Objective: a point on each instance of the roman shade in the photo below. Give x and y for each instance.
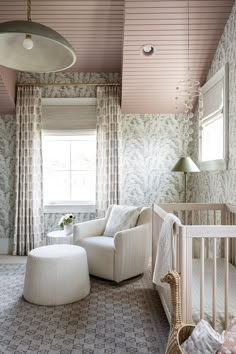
(213, 99)
(68, 117)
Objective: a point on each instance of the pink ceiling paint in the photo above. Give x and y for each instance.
(148, 83)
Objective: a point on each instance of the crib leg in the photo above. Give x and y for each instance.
(185, 258)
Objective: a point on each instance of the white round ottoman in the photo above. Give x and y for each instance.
(56, 275)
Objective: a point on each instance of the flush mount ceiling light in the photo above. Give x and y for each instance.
(147, 50)
(33, 47)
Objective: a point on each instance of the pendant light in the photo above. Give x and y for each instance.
(32, 47)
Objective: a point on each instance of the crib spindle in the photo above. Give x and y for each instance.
(178, 253)
(193, 217)
(226, 246)
(233, 247)
(208, 217)
(202, 257)
(186, 217)
(214, 285)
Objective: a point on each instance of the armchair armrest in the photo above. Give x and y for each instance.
(88, 229)
(132, 251)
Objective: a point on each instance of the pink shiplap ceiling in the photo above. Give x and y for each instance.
(148, 83)
(108, 36)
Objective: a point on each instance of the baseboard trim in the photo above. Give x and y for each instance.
(6, 246)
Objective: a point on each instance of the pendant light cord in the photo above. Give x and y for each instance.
(188, 38)
(28, 10)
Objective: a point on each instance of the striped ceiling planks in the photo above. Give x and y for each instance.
(180, 37)
(108, 36)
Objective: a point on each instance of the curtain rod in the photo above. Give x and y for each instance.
(68, 84)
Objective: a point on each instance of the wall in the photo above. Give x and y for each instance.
(220, 186)
(151, 146)
(7, 179)
(69, 91)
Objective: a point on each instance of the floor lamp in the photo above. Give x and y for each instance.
(185, 165)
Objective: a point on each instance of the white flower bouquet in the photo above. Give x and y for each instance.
(66, 220)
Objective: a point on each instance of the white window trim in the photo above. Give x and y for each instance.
(71, 206)
(220, 164)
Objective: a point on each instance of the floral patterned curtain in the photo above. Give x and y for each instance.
(108, 148)
(29, 228)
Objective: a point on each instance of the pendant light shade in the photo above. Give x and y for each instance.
(33, 47)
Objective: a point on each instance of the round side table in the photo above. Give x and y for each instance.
(59, 237)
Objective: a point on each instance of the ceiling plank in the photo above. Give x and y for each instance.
(181, 38)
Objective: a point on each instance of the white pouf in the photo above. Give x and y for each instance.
(56, 275)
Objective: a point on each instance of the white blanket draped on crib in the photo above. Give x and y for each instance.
(165, 259)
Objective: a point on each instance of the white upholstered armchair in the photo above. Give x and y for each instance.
(120, 257)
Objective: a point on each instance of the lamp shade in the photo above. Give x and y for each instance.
(185, 164)
(50, 51)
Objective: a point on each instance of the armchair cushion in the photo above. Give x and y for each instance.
(121, 218)
(100, 252)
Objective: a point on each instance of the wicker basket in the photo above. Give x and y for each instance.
(179, 332)
(183, 333)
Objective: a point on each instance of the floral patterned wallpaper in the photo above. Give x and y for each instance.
(151, 146)
(220, 186)
(69, 91)
(7, 175)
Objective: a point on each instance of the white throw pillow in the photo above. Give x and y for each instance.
(204, 339)
(122, 217)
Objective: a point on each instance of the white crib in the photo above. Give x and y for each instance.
(206, 258)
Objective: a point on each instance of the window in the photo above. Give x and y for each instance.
(69, 163)
(213, 124)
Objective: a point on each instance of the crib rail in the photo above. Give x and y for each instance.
(210, 227)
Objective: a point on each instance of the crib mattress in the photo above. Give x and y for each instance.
(165, 294)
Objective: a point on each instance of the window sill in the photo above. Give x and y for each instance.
(69, 208)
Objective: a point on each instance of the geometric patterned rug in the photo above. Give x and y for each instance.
(126, 318)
